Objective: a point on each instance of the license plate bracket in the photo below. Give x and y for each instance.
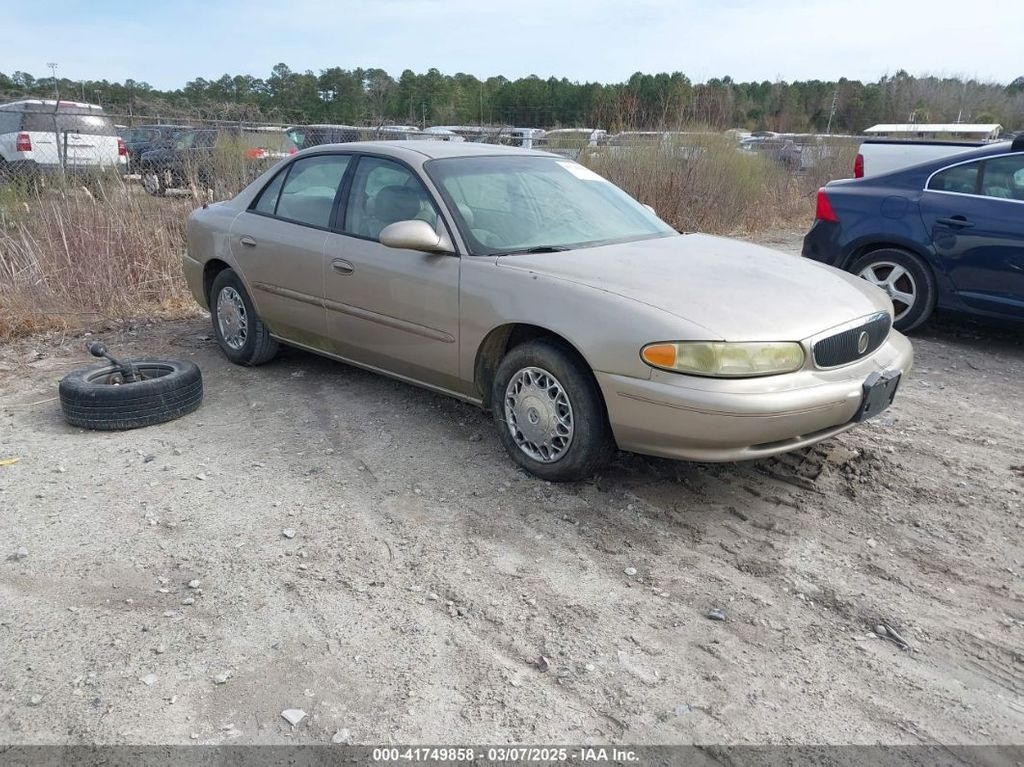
(879, 392)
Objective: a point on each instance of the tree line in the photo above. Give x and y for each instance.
(644, 101)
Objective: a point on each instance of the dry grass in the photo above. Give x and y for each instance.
(707, 185)
(72, 255)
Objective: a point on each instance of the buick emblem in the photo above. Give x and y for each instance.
(862, 342)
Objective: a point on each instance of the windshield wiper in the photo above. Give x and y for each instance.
(537, 249)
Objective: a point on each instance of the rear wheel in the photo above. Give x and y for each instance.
(242, 336)
(905, 278)
(549, 412)
(154, 182)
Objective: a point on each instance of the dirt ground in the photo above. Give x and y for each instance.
(433, 592)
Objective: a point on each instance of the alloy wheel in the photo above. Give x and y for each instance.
(895, 280)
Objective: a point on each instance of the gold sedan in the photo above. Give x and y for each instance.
(527, 284)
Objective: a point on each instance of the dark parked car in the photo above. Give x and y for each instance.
(143, 138)
(946, 234)
(204, 155)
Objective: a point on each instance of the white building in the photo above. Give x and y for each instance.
(968, 131)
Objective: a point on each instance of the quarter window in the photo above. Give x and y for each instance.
(307, 195)
(267, 201)
(959, 178)
(384, 192)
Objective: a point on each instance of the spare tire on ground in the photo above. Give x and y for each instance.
(100, 398)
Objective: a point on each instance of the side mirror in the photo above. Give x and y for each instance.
(414, 235)
(652, 210)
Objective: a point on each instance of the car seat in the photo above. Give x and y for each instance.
(392, 204)
(997, 184)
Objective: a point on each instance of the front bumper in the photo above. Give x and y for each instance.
(715, 420)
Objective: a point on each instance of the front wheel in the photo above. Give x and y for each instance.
(242, 336)
(549, 412)
(906, 278)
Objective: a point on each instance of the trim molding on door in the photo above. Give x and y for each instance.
(277, 290)
(389, 321)
(364, 314)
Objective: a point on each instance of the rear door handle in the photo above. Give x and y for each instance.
(341, 266)
(249, 242)
(956, 222)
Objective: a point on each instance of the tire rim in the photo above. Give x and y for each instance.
(895, 280)
(232, 320)
(111, 376)
(151, 183)
(539, 414)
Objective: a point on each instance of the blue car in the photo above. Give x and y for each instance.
(946, 234)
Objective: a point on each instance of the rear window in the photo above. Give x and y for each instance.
(141, 134)
(63, 122)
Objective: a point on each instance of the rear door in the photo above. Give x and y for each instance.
(279, 246)
(975, 214)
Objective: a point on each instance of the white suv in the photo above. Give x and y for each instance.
(46, 136)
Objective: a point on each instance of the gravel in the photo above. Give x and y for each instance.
(438, 664)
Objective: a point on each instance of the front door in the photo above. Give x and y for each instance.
(393, 310)
(975, 215)
(279, 245)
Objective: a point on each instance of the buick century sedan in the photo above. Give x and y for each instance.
(526, 284)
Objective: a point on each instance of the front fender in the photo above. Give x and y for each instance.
(608, 330)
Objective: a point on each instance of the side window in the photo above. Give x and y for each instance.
(959, 178)
(307, 196)
(1003, 177)
(267, 201)
(9, 121)
(384, 192)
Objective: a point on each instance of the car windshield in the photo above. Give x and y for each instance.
(510, 204)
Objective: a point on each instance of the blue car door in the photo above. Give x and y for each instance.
(974, 213)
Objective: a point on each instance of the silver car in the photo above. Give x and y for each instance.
(524, 283)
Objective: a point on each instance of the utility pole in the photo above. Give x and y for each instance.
(832, 111)
(53, 68)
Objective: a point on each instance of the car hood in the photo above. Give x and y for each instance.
(735, 290)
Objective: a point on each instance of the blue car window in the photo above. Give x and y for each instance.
(959, 178)
(1003, 177)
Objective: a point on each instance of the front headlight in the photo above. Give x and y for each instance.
(725, 360)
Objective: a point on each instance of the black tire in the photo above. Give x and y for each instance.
(169, 390)
(918, 277)
(154, 182)
(591, 445)
(259, 347)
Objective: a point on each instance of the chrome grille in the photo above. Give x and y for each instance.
(849, 345)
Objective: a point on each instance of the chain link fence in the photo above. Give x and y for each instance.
(47, 144)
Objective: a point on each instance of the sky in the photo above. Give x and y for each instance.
(168, 43)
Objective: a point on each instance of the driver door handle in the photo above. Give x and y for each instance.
(248, 241)
(341, 266)
(956, 222)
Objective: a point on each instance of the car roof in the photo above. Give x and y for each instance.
(47, 105)
(421, 150)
